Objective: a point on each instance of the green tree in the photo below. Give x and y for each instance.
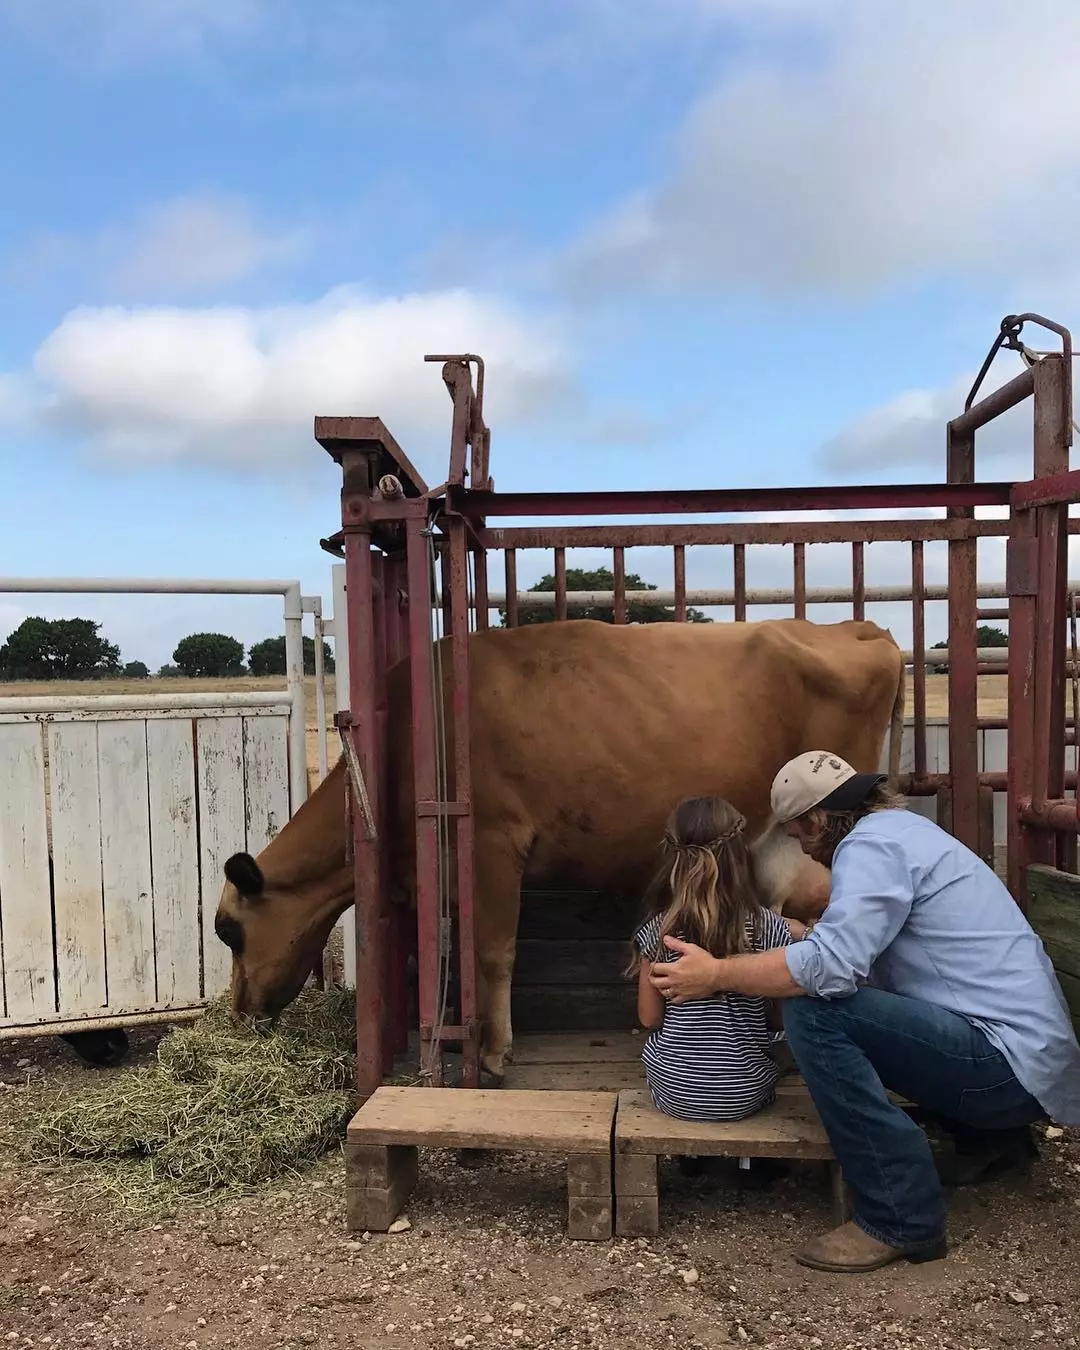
(169, 673)
(986, 635)
(58, 649)
(136, 670)
(209, 656)
(268, 657)
(601, 579)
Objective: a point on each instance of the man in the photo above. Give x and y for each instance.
(922, 977)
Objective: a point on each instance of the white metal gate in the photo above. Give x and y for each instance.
(116, 816)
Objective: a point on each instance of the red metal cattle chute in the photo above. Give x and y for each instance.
(398, 535)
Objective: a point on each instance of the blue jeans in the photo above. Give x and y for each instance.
(850, 1051)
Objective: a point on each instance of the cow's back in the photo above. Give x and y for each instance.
(585, 734)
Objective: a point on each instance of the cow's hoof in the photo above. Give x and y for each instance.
(102, 1049)
(490, 1079)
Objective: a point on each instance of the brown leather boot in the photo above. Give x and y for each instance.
(849, 1251)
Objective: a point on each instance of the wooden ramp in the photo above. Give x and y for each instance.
(381, 1160)
(790, 1128)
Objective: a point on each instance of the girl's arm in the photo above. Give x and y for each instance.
(798, 930)
(650, 1003)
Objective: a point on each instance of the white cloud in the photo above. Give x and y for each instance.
(196, 243)
(909, 430)
(119, 31)
(241, 386)
(854, 145)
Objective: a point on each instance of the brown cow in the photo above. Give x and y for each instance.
(584, 736)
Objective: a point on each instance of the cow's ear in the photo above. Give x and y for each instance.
(244, 873)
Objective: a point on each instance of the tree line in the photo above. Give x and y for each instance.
(76, 649)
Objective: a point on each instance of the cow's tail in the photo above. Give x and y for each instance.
(896, 726)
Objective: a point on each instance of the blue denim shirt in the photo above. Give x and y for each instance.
(914, 912)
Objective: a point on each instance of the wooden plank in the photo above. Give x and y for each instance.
(222, 831)
(577, 1122)
(174, 859)
(266, 779)
(574, 1077)
(28, 986)
(570, 962)
(790, 1128)
(577, 1047)
(1054, 912)
(77, 892)
(537, 1008)
(1070, 987)
(126, 877)
(578, 916)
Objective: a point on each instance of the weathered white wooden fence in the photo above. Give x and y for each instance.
(116, 815)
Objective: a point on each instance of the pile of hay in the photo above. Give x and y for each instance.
(223, 1109)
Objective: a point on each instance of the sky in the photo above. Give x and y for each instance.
(698, 243)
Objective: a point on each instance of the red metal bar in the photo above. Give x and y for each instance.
(511, 589)
(1054, 490)
(800, 581)
(619, 559)
(993, 405)
(691, 501)
(1052, 815)
(364, 731)
(788, 532)
(1053, 427)
(560, 583)
(392, 970)
(918, 652)
(401, 932)
(740, 583)
(462, 790)
(480, 586)
(963, 657)
(680, 583)
(858, 580)
(424, 789)
(444, 584)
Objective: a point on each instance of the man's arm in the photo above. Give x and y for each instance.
(696, 974)
(872, 895)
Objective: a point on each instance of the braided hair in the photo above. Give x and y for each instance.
(705, 891)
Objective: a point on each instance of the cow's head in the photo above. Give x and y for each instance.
(275, 933)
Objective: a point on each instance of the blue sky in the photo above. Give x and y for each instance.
(699, 242)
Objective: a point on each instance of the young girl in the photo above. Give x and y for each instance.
(707, 1059)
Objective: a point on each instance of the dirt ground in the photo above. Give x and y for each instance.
(485, 1262)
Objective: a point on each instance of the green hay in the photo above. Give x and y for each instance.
(224, 1109)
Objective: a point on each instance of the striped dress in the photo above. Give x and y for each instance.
(709, 1059)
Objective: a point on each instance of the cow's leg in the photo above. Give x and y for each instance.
(499, 867)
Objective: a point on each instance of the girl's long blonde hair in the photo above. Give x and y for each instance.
(705, 890)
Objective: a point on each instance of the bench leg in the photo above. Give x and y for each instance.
(378, 1181)
(637, 1195)
(841, 1201)
(589, 1196)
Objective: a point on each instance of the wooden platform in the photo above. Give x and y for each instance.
(790, 1128)
(577, 1061)
(381, 1160)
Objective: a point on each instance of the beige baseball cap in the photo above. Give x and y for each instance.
(819, 778)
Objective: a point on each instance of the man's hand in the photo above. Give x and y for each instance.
(695, 974)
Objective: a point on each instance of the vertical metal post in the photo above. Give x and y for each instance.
(800, 581)
(294, 675)
(740, 583)
(1053, 410)
(619, 612)
(399, 945)
(510, 560)
(963, 655)
(560, 583)
(680, 583)
(480, 586)
(363, 709)
(462, 794)
(858, 581)
(918, 655)
(424, 789)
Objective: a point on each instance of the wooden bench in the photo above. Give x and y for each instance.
(381, 1160)
(790, 1128)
